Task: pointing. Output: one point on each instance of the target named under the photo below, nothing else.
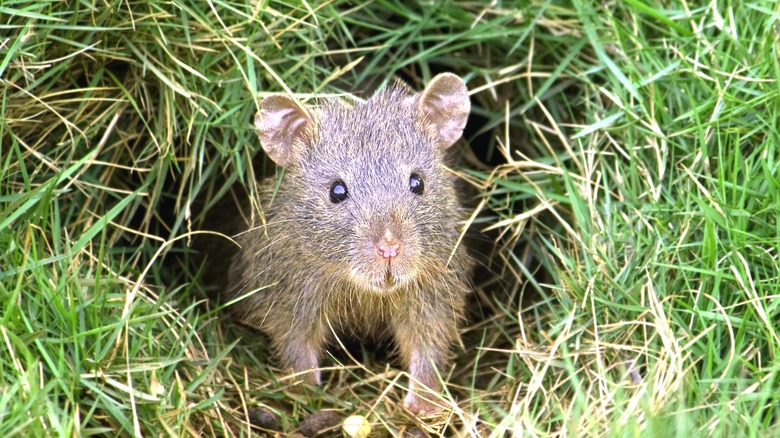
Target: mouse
(360, 236)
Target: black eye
(338, 191)
(416, 184)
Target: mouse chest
(361, 314)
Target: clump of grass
(664, 232)
(626, 155)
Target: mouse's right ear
(281, 124)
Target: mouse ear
(444, 107)
(280, 124)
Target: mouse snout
(388, 246)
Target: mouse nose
(388, 246)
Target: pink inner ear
(296, 123)
(450, 117)
(445, 107)
(281, 124)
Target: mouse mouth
(380, 283)
(373, 274)
(385, 283)
(389, 281)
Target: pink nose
(388, 247)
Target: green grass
(634, 198)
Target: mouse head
(368, 181)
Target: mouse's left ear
(443, 107)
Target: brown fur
(313, 270)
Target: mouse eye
(338, 191)
(416, 184)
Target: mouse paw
(420, 406)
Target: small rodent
(361, 236)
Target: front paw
(421, 406)
(302, 362)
